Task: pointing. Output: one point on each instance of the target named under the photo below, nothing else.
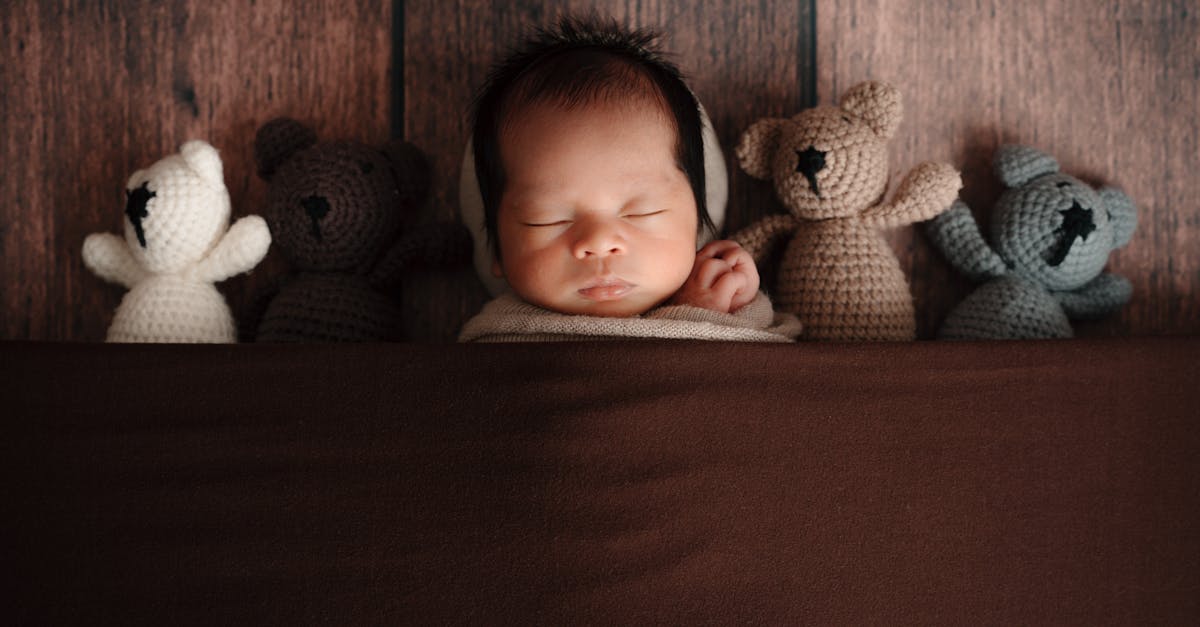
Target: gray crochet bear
(1052, 235)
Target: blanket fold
(510, 319)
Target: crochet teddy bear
(829, 165)
(338, 211)
(1052, 235)
(177, 243)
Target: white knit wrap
(510, 319)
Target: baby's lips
(606, 289)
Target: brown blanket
(624, 482)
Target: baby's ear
(277, 141)
(758, 145)
(877, 104)
(1017, 165)
(1122, 212)
(204, 161)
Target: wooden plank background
(93, 91)
(1110, 88)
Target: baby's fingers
(726, 288)
(708, 271)
(718, 248)
(746, 268)
(737, 256)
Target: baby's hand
(723, 279)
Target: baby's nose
(598, 239)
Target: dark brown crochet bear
(338, 211)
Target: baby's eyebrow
(528, 211)
(530, 190)
(532, 202)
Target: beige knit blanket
(509, 319)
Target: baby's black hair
(580, 61)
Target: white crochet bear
(178, 242)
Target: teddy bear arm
(956, 234)
(110, 258)
(243, 246)
(1099, 297)
(758, 238)
(444, 244)
(926, 192)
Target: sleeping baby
(589, 160)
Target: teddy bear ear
(878, 104)
(1121, 212)
(136, 179)
(203, 159)
(411, 169)
(757, 146)
(1017, 165)
(276, 142)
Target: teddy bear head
(829, 161)
(177, 209)
(335, 206)
(1052, 228)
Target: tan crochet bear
(830, 169)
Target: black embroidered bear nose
(316, 207)
(809, 162)
(135, 208)
(1077, 222)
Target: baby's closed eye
(552, 221)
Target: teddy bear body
(1053, 234)
(169, 308)
(338, 211)
(1007, 307)
(877, 308)
(329, 307)
(829, 168)
(177, 243)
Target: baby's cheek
(681, 264)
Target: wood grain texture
(93, 91)
(1112, 89)
(744, 61)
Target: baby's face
(596, 217)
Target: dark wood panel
(1110, 88)
(744, 60)
(93, 91)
